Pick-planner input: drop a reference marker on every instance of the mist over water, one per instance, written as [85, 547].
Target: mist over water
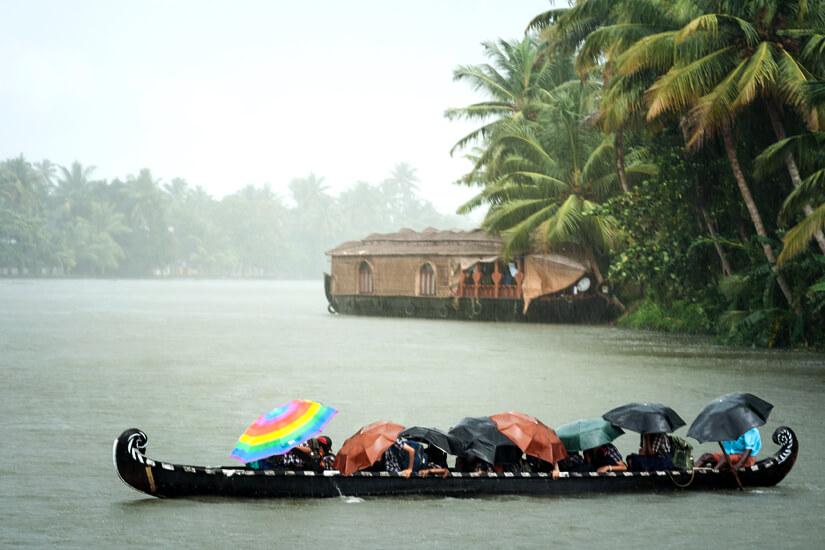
[193, 363]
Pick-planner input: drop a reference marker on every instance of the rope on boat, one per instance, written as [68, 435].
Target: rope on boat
[692, 475]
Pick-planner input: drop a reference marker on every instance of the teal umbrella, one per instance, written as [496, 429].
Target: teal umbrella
[587, 433]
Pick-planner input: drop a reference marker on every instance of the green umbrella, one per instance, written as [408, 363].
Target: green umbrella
[587, 433]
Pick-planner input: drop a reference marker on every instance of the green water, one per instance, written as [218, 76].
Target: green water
[192, 363]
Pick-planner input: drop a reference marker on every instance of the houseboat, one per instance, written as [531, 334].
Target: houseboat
[458, 274]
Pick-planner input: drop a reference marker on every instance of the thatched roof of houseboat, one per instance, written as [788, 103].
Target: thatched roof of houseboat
[430, 242]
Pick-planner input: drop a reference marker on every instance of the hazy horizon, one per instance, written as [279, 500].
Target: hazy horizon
[225, 95]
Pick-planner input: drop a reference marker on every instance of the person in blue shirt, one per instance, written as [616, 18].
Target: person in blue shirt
[742, 452]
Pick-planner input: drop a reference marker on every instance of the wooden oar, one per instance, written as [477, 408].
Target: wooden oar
[730, 464]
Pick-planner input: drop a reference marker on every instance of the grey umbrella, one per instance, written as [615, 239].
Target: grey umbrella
[432, 436]
[729, 416]
[650, 418]
[479, 437]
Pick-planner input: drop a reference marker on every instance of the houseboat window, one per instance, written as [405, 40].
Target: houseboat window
[427, 287]
[365, 279]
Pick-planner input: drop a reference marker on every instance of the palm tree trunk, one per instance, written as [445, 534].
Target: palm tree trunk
[591, 256]
[739, 176]
[620, 158]
[726, 269]
[793, 169]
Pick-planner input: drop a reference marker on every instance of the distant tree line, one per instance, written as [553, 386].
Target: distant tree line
[61, 221]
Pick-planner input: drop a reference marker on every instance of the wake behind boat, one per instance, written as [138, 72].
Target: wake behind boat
[165, 480]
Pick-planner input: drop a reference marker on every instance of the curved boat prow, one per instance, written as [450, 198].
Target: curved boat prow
[785, 457]
[131, 463]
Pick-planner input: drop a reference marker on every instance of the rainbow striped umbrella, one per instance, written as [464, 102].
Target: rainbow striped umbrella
[281, 429]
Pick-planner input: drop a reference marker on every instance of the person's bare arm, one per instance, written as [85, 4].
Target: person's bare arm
[411, 453]
[620, 467]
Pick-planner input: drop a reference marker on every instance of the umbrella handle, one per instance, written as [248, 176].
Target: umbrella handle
[730, 465]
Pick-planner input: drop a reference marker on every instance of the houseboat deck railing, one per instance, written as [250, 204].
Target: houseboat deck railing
[475, 289]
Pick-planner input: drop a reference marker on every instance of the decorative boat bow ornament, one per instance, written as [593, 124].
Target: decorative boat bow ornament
[165, 480]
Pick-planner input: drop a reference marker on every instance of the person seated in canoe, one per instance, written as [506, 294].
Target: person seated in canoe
[575, 463]
[436, 461]
[606, 458]
[401, 456]
[537, 465]
[314, 454]
[655, 454]
[742, 452]
[326, 454]
[473, 465]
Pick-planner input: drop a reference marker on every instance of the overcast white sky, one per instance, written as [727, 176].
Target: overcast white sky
[227, 94]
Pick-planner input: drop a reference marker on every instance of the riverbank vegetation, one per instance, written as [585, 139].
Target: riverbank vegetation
[61, 221]
[679, 143]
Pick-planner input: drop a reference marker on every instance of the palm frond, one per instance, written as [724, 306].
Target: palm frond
[651, 52]
[679, 88]
[798, 238]
[563, 224]
[710, 111]
[810, 191]
[793, 79]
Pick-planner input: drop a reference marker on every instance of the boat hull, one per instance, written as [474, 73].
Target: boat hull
[592, 309]
[166, 480]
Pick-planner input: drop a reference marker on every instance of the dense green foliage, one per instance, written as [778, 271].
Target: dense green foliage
[684, 155]
[63, 222]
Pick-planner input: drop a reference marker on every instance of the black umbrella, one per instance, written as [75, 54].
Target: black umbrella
[650, 418]
[479, 437]
[432, 436]
[727, 417]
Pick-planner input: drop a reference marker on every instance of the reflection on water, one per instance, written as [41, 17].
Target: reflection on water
[191, 363]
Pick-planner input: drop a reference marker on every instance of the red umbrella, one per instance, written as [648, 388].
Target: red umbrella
[366, 446]
[531, 435]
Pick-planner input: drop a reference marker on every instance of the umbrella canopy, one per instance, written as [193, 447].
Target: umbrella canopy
[366, 446]
[587, 433]
[479, 437]
[531, 435]
[282, 428]
[729, 416]
[432, 436]
[650, 418]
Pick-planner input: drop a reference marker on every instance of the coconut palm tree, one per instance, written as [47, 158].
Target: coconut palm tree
[98, 246]
[146, 200]
[545, 180]
[597, 32]
[72, 195]
[400, 188]
[19, 184]
[771, 65]
[721, 63]
[514, 82]
[809, 148]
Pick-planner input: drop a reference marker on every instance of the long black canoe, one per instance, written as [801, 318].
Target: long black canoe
[165, 480]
